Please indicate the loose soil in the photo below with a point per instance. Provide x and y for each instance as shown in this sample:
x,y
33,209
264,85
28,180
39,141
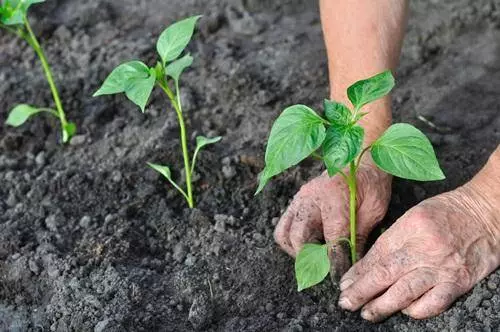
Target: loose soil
x,y
93,240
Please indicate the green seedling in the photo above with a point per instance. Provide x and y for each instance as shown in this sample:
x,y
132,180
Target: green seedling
x,y
337,139
137,81
13,18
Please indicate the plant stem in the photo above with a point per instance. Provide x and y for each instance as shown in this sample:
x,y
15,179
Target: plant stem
x,y
352,210
31,39
185,153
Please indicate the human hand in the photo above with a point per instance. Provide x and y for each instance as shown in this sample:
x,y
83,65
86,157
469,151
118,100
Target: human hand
x,y
432,255
321,210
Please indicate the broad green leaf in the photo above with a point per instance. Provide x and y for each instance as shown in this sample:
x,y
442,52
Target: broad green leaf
x,y
175,69
312,265
14,11
175,38
163,170
341,146
373,88
337,113
404,151
20,114
297,133
134,78
69,130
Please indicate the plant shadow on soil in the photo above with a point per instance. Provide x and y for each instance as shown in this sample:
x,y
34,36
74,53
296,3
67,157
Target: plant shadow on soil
x,y
91,240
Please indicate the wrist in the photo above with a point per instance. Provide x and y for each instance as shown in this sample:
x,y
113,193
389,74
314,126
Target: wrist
x,y
485,190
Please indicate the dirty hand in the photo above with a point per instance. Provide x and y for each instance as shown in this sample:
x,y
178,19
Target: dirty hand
x,y
320,210
433,254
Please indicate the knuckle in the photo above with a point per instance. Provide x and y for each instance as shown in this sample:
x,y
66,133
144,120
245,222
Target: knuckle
x,y
381,274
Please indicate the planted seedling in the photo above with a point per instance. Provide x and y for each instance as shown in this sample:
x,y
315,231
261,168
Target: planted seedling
x,y
137,81
13,18
337,139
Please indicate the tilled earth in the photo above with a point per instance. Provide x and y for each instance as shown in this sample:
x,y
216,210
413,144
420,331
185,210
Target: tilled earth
x,y
93,240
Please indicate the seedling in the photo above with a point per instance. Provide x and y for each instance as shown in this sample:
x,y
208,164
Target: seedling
x,y
13,18
337,140
137,81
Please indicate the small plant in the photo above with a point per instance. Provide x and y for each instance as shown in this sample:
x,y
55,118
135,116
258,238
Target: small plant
x,y
137,81
299,132
13,18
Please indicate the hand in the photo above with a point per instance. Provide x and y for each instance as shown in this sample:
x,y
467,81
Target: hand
x,y
321,210
433,254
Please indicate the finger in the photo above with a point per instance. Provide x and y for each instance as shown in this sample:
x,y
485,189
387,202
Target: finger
x,y
434,302
385,272
306,225
400,295
282,230
362,267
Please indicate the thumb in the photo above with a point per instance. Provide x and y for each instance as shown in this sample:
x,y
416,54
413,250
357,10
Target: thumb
x,y
336,231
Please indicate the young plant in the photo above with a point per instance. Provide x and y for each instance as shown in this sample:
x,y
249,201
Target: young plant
x,y
13,18
299,132
137,81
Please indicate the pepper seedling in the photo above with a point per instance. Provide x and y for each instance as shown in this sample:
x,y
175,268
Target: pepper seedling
x,y
137,81
299,132
13,18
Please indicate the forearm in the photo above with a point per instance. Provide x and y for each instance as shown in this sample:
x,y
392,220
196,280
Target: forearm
x,y
363,38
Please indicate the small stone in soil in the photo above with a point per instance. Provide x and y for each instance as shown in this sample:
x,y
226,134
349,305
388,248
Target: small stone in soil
x,y
78,140
201,312
85,222
180,252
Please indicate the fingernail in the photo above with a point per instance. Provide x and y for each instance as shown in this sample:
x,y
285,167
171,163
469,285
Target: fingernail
x,y
404,312
345,283
345,303
367,314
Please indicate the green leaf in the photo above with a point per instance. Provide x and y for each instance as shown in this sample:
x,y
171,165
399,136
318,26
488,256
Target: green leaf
x,y
69,130
134,78
337,113
20,114
175,38
404,151
373,88
13,12
297,133
176,68
312,265
202,141
341,146
163,170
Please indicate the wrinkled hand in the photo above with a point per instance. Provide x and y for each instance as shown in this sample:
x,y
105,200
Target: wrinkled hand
x,y
321,210
433,254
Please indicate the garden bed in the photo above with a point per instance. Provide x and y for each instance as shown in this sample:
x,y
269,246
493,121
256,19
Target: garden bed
x,y
93,240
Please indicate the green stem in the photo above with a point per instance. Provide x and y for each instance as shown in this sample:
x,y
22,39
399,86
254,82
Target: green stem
x,y
31,39
352,210
185,153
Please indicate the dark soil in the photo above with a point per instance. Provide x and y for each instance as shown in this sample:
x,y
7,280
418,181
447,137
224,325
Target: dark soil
x,y
93,240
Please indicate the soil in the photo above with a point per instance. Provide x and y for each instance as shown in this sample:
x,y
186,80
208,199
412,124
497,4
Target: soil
x,y
93,240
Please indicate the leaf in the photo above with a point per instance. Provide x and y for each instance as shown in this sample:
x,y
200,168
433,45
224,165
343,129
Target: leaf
x,y
163,170
373,88
341,146
14,11
176,68
311,265
404,151
297,133
337,113
175,38
20,114
202,141
134,78
69,130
